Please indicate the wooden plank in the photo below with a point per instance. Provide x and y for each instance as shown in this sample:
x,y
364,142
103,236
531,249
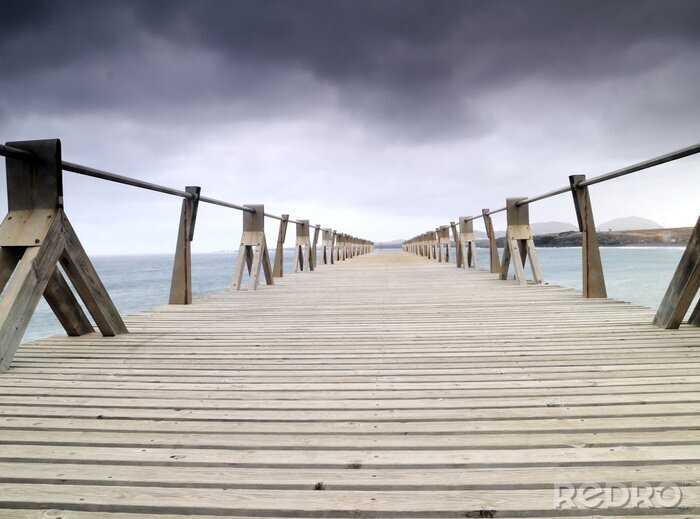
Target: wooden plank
x,y
415,392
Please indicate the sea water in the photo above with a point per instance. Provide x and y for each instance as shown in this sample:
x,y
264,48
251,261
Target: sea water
x,y
636,274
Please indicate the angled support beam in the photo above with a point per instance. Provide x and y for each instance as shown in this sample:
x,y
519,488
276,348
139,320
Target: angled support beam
x,y
252,252
519,244
591,265
302,247
34,236
494,261
278,269
181,282
65,305
683,288
466,238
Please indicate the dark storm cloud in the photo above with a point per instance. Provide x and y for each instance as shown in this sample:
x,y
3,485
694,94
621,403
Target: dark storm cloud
x,y
415,66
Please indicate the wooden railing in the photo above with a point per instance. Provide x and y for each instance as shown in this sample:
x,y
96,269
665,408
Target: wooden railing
x,y
519,245
36,237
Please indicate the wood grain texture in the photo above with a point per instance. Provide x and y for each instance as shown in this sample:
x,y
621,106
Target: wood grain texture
x,y
386,385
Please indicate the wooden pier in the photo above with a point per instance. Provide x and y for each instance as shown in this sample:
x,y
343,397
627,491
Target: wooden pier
x,y
387,385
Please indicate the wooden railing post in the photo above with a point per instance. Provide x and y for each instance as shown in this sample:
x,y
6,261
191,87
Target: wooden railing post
x,y
466,238
34,236
444,242
327,246
683,287
438,245
494,262
278,267
458,246
181,281
313,259
519,243
591,266
253,252
302,247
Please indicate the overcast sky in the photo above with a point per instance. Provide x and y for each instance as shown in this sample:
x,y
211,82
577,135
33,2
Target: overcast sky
x,y
379,118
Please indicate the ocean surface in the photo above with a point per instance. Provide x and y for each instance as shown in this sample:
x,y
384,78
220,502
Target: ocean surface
x,y
636,274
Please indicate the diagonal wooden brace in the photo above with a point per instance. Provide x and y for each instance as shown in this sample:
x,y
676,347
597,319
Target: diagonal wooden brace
x,y
683,287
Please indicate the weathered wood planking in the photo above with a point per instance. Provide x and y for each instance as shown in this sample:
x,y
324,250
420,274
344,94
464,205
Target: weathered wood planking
x,y
384,386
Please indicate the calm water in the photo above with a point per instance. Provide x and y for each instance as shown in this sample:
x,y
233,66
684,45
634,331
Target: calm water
x,y
636,274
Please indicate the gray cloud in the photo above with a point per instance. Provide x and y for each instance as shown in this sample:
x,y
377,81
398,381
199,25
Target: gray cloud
x,y
414,68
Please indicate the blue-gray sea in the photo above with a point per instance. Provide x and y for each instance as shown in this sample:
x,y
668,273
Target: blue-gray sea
x,y
636,274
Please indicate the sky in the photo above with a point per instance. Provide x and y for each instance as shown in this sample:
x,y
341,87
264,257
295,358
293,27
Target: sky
x,y
379,118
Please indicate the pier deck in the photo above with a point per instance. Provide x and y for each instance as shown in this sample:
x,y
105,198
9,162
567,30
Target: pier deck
x,y
383,386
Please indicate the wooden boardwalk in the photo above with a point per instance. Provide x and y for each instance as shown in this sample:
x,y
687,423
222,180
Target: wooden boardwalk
x,y
384,386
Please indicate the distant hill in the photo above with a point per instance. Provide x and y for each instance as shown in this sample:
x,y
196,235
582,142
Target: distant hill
x,y
629,223
678,236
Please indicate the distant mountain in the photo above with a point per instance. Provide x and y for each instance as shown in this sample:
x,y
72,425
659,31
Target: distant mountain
x,y
629,223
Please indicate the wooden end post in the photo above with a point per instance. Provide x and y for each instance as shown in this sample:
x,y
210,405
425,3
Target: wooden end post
x,y
683,287
302,247
494,261
253,252
35,236
278,267
519,243
591,265
466,238
181,282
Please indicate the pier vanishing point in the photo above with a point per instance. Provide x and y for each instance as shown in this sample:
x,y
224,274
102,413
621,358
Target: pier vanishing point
x,y
366,384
